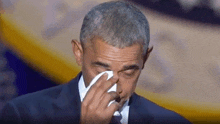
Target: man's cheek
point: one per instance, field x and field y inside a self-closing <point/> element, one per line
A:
<point x="128" y="88"/>
<point x="89" y="75"/>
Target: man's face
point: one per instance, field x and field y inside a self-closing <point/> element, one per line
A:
<point x="125" y="63"/>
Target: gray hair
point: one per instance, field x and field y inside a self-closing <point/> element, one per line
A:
<point x="118" y="23"/>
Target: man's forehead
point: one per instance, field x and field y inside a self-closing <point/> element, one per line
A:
<point x="101" y="50"/>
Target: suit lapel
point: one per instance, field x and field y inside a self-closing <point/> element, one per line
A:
<point x="67" y="105"/>
<point x="138" y="112"/>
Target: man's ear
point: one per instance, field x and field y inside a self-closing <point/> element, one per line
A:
<point x="147" y="54"/>
<point x="77" y="51"/>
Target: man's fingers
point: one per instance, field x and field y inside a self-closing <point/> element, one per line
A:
<point x="112" y="108"/>
<point x="113" y="80"/>
<point x="102" y="79"/>
<point x="102" y="85"/>
<point x="107" y="98"/>
<point x="97" y="94"/>
<point x="105" y="86"/>
<point x="108" y="83"/>
<point x="92" y="91"/>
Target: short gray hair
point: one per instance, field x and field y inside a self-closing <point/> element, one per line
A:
<point x="118" y="23"/>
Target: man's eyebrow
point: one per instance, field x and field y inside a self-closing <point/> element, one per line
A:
<point x="101" y="64"/>
<point x="135" y="67"/>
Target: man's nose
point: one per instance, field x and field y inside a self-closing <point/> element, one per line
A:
<point x="116" y="76"/>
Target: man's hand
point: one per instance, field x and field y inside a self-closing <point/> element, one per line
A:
<point x="94" y="108"/>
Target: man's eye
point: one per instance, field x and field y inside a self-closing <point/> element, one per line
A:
<point x="101" y="69"/>
<point x="129" y="72"/>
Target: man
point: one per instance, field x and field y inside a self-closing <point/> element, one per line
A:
<point x="114" y="37"/>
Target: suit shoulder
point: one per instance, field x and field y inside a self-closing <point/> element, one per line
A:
<point x="44" y="106"/>
<point x="159" y="113"/>
<point x="151" y="106"/>
<point x="44" y="95"/>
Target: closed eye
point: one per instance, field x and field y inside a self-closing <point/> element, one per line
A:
<point x="129" y="72"/>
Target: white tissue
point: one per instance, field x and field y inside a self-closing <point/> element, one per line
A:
<point x="113" y="88"/>
<point x="110" y="74"/>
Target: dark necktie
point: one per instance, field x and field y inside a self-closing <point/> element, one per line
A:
<point x="116" y="119"/>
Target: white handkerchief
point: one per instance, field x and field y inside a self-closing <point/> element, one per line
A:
<point x="113" y="88"/>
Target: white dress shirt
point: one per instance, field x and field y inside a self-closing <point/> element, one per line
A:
<point x="124" y="111"/>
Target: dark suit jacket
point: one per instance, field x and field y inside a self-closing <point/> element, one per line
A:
<point x="61" y="104"/>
